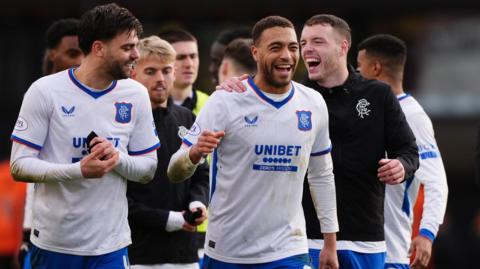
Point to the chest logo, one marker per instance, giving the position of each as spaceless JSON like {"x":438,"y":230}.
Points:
{"x":251,"y":121}
{"x":362,"y":108}
{"x":68,"y":112}
{"x":123,"y":112}
{"x":304,"y":120}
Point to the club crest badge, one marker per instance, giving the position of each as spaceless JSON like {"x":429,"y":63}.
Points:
{"x":362,"y":108}
{"x":304,"y":120}
{"x":123,"y":112}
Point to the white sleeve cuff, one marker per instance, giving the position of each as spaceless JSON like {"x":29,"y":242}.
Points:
{"x":175,"y":221}
{"x":196,"y":204}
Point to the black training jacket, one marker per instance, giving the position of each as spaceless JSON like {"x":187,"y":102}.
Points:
{"x":365,"y":121}
{"x":149,"y":203}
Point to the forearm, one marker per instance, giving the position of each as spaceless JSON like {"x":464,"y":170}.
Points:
{"x":199,"y":184}
{"x":26,"y":166}
{"x":180,"y":166}
{"x":137,"y":168}
{"x":435,"y":203}
{"x":322,"y":189}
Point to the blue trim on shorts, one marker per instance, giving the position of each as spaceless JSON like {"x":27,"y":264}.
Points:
{"x":293,"y":262}
{"x":45,"y":259}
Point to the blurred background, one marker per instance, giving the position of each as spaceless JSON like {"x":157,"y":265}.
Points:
{"x":442,"y":72}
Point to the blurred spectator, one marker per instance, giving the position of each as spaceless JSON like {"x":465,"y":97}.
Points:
{"x":12,"y":196}
{"x":186,"y":69}
{"x":238,"y":60}
{"x":218,"y":48}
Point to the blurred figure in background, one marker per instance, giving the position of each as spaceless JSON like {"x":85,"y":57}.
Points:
{"x":383,"y":57}
{"x":186,"y":69}
{"x":218,"y":48}
{"x":161,"y":237}
{"x":237,"y":60}
{"x":62,"y":52}
{"x":12,"y":196}
{"x":62,"y":46}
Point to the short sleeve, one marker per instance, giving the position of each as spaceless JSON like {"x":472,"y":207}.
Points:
{"x":31,"y":127}
{"x":144,"y":137}
{"x":321,"y":144}
{"x":212,"y":117}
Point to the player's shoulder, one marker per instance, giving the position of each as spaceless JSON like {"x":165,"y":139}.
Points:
{"x":410,"y":105}
{"x":47,"y":84}
{"x":309,"y":94}
{"x":130,"y":84}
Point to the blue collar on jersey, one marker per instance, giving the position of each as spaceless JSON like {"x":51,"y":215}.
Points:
{"x":94,"y":94}
{"x":402,"y":96}
{"x":276,"y":104}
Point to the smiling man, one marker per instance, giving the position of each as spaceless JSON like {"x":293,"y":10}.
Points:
{"x":80,"y":205}
{"x":263,"y":141}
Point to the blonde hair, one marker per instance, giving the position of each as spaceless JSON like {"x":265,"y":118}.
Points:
{"x":155,"y":46}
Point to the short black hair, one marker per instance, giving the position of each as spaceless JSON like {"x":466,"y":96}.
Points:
{"x":390,"y":50}
{"x":60,"y":28}
{"x":177,"y":35}
{"x":267,"y":23}
{"x":339,"y":24}
{"x":104,"y":23}
{"x":239,"y":50}
{"x":227,"y":36}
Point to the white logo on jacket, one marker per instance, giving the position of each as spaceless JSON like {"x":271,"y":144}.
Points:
{"x":362,"y":108}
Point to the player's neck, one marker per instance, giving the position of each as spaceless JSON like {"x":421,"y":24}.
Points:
{"x":93,"y":75}
{"x":337,"y":78}
{"x":395,"y":84}
{"x":179,"y":94}
{"x":263,"y":85}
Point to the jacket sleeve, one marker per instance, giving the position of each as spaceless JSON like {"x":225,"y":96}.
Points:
{"x":140,"y":215}
{"x":400,"y":141}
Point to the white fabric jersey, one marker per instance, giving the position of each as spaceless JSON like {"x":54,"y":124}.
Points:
{"x":400,"y":199}
{"x":257,"y":172}
{"x":27,"y":215}
{"x":83,"y":216}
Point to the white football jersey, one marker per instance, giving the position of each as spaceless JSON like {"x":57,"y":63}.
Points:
{"x":83,"y":216}
{"x":400,"y":199}
{"x":257,"y":171}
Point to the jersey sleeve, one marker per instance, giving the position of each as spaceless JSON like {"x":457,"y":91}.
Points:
{"x":144,"y":138}
{"x":32,"y":125}
{"x":212,"y":117}
{"x":321,"y":144}
{"x":431,"y":173}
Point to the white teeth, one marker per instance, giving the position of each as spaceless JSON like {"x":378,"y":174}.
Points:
{"x":283,"y":66}
{"x":312,"y":60}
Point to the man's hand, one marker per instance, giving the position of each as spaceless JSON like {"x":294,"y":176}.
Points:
{"x":391,"y":171}
{"x":93,"y":166}
{"x":421,"y":247}
{"x":233,"y":84}
{"x":206,"y":144}
{"x":193,"y":227}
{"x":328,"y":254}
{"x":109,"y":152}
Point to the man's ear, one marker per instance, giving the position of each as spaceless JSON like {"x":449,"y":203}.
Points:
{"x":98,"y":48}
{"x":254,"y":53}
{"x":377,"y":68}
{"x":223,"y":69}
{"x":51,"y":54}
